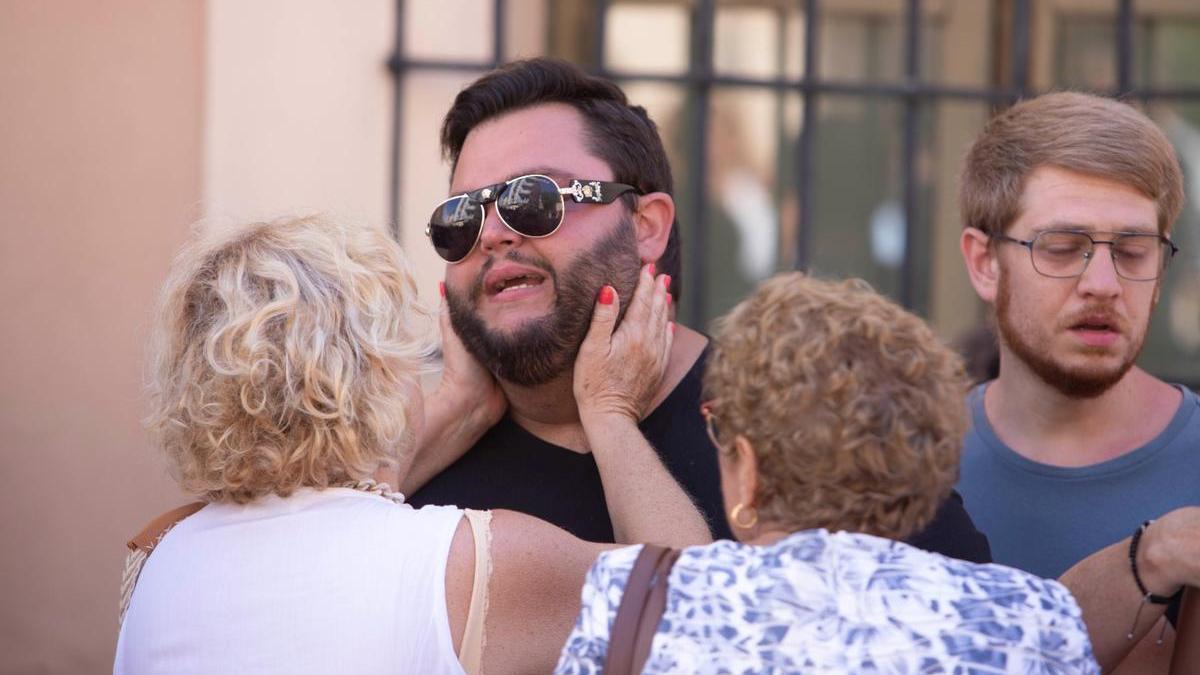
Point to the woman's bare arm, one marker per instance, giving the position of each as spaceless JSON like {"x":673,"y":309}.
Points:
{"x":1103,"y":585}
{"x":533,"y":592}
{"x":618,"y":372}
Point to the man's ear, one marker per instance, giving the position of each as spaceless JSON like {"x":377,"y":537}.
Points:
{"x":652,"y":224}
{"x":746,"y":471}
{"x":982,"y":264}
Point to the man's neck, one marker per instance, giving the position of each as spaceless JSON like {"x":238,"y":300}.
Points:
{"x":1042,"y":424}
{"x":549,"y":411}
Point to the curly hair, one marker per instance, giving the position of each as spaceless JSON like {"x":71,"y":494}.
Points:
{"x":283,"y":356}
{"x":854,"y":409}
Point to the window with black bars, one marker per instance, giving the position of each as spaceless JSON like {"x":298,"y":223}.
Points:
{"x":826,"y":134}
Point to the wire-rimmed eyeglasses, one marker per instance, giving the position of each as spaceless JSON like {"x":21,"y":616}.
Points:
{"x":1063,"y":254}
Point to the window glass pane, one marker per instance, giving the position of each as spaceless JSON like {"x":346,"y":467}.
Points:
{"x":424,"y":174}
{"x":957,"y":43}
{"x":527,"y":27}
{"x":668,"y":106}
{"x":750,"y":196}
{"x":861,"y":41}
{"x":665,"y":103}
{"x":1086,"y":53}
{"x":454,"y":30}
{"x":753,"y":40}
{"x":1073,"y":45}
{"x":571,"y":29}
{"x":948,"y":127}
{"x":793,"y":44}
{"x":1173,"y":345}
{"x":1167,"y":49}
{"x":858,"y":227}
{"x":647,"y":38}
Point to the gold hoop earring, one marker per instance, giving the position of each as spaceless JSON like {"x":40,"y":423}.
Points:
{"x":735,"y":515}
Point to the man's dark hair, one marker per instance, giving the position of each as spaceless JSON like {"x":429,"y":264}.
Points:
{"x":622,"y":135}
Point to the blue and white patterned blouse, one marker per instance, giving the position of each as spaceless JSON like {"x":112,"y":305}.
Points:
{"x":838,"y":603}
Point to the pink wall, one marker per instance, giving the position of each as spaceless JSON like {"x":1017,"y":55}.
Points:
{"x":100,"y":176}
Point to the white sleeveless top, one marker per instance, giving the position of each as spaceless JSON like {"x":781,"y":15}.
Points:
{"x":320,"y":582}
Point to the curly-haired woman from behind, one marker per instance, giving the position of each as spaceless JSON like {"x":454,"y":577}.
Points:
{"x":838,"y":419}
{"x":284,"y":375}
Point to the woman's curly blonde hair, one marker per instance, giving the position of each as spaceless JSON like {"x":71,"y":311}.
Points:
{"x":283,"y":356}
{"x":855,"y":410}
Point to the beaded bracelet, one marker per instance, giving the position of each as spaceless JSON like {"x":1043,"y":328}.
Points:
{"x":1147,"y":596}
{"x":1133,"y":547}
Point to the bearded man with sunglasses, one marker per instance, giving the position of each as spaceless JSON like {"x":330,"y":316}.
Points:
{"x":1067,"y":203}
{"x":561,"y":193}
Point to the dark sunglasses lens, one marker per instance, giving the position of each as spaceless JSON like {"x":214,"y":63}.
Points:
{"x":531,"y":205}
{"x":454,"y":227}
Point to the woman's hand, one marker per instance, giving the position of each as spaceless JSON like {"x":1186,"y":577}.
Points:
{"x":467,"y":388}
{"x":617,"y":376}
{"x":619,"y":373}
{"x":467,"y":402}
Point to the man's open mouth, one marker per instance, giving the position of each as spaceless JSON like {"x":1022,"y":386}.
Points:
{"x":1095,"y":325}
{"x":502,"y":283}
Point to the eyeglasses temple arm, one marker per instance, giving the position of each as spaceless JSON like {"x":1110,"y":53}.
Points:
{"x":595,"y":191}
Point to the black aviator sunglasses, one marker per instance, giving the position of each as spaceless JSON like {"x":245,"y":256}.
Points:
{"x":531,"y":206}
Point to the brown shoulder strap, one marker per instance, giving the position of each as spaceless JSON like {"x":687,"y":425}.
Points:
{"x":640,"y":611}
{"x":149,"y":536}
{"x":656,"y":604}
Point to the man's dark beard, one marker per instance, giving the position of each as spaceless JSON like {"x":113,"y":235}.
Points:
{"x":542,"y":349}
{"x":1078,"y":384}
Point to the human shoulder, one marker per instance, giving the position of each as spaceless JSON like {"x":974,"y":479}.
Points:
{"x":1013,"y":591}
{"x":1178,"y":415}
{"x":534,"y":589}
{"x":981,"y":440}
{"x":609,"y":575}
{"x":1035,"y":621}
{"x":976,"y":412}
{"x":1191,"y":399}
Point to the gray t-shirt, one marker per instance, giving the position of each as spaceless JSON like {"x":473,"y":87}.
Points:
{"x":1044,"y":519}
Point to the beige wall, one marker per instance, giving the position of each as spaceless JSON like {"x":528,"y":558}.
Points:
{"x":123,"y":122}
{"x":298,"y":108}
{"x":100,"y":170}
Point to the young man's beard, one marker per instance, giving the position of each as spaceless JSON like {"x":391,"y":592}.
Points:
{"x":543,"y":349}
{"x":1073,"y":383}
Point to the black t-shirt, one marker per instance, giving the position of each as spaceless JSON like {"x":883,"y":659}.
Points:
{"x":510,"y":468}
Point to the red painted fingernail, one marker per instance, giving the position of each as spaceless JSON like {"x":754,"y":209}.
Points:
{"x":606,"y":295}
{"x":442,"y":288}
{"x":671,"y":325}
{"x":652,"y":269}
{"x":669,"y":299}
{"x":666,"y":280}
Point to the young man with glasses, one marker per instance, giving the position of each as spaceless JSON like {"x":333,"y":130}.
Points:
{"x":560,"y":189}
{"x":1067,"y":203}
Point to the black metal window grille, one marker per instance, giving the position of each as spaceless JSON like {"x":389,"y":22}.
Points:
{"x":1011,"y":62}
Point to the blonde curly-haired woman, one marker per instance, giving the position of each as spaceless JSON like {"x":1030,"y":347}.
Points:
{"x":284,"y":376}
{"x":838,"y":419}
